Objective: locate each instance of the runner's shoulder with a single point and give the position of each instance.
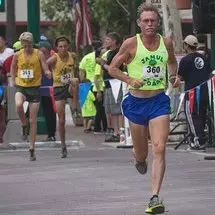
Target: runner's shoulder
(130, 42)
(17, 54)
(52, 60)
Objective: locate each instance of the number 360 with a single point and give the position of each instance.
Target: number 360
(153, 69)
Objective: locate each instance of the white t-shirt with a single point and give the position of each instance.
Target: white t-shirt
(5, 54)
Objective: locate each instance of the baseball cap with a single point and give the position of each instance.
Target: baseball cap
(17, 46)
(191, 40)
(26, 36)
(44, 44)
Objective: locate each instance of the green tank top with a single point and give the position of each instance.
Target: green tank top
(149, 66)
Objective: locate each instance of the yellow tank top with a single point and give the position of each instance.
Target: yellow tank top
(29, 69)
(63, 72)
(149, 66)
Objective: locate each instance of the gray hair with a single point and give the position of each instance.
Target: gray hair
(147, 7)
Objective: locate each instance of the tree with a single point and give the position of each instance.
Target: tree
(111, 15)
(106, 15)
(62, 13)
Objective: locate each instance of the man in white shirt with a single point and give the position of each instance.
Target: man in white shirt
(4, 51)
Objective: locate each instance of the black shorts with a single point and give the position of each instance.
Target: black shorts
(61, 93)
(32, 94)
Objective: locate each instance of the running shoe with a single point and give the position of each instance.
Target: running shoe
(141, 167)
(64, 152)
(155, 206)
(32, 155)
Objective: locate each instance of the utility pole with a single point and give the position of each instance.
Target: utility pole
(34, 19)
(11, 22)
(34, 28)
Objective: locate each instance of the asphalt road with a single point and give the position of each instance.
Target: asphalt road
(101, 180)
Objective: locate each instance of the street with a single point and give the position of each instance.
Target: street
(100, 180)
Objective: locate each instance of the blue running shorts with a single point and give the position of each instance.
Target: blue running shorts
(141, 110)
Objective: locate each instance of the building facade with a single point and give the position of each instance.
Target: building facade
(21, 18)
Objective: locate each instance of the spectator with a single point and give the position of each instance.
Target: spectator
(2, 109)
(4, 51)
(112, 42)
(7, 62)
(88, 66)
(46, 99)
(194, 69)
(5, 73)
(88, 110)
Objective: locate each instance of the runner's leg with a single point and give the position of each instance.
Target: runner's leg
(60, 106)
(19, 100)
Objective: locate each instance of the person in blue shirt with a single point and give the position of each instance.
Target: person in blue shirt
(46, 99)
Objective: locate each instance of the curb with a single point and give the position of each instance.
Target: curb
(51, 144)
(4, 146)
(123, 146)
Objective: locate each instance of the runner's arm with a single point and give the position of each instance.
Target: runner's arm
(44, 65)
(13, 69)
(120, 58)
(172, 62)
(174, 79)
(51, 62)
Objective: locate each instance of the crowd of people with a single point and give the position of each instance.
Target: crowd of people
(41, 70)
(46, 73)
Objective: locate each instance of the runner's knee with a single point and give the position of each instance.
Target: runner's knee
(32, 119)
(158, 148)
(61, 121)
(19, 106)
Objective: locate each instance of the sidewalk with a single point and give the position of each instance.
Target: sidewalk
(77, 139)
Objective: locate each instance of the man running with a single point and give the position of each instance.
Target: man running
(26, 71)
(65, 85)
(146, 106)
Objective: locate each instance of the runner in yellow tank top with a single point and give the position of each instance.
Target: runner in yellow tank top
(65, 84)
(146, 106)
(26, 72)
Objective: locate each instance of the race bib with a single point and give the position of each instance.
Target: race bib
(66, 78)
(153, 75)
(27, 74)
(153, 72)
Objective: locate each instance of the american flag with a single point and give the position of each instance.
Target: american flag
(82, 21)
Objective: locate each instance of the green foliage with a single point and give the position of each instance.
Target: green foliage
(107, 14)
(57, 10)
(61, 13)
(110, 15)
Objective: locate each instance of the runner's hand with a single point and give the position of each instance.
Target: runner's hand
(48, 74)
(135, 83)
(175, 81)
